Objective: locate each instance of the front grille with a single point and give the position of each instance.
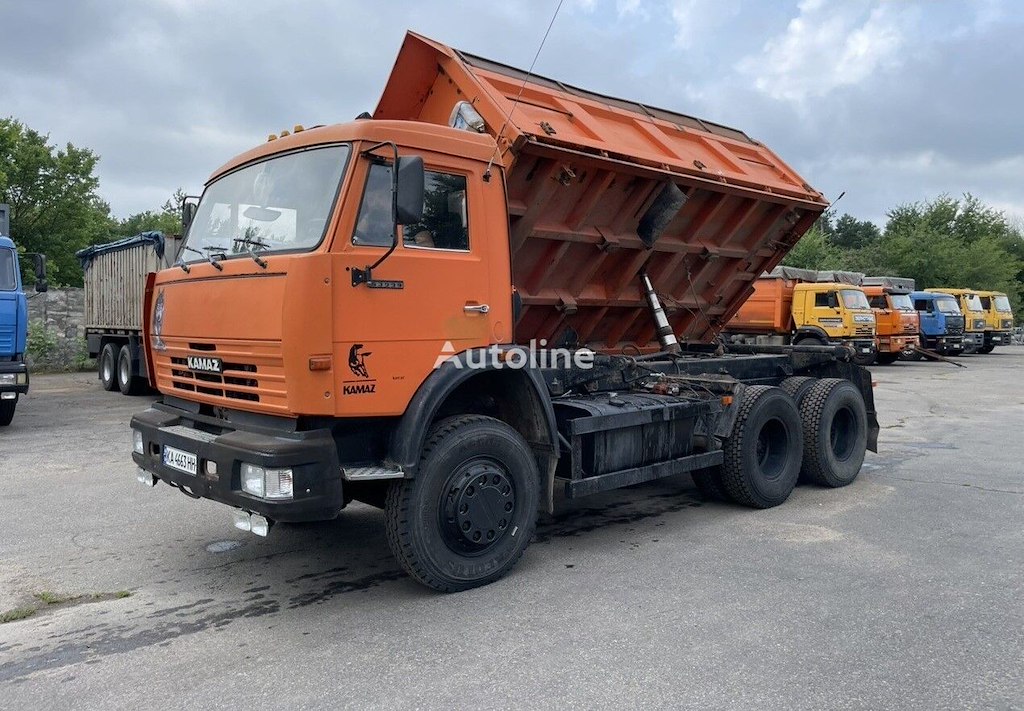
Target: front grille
(253, 373)
(6, 340)
(864, 331)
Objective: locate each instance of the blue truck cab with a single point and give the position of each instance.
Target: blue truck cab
(13, 322)
(942, 322)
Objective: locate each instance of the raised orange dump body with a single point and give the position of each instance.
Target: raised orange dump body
(583, 170)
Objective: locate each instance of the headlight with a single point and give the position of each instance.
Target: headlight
(863, 318)
(979, 324)
(266, 483)
(8, 379)
(137, 444)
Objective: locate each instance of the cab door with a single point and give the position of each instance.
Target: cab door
(827, 313)
(433, 297)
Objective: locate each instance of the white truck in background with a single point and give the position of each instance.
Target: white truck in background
(115, 281)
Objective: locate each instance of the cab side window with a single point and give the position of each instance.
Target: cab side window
(374, 225)
(826, 299)
(878, 302)
(445, 214)
(920, 304)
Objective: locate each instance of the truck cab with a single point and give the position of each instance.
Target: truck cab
(896, 321)
(998, 319)
(13, 321)
(840, 311)
(974, 316)
(942, 322)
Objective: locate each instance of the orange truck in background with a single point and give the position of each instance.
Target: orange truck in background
(804, 306)
(896, 321)
(495, 289)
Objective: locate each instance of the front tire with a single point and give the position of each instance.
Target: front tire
(7, 408)
(108, 367)
(886, 358)
(835, 428)
(986, 349)
(471, 510)
(762, 455)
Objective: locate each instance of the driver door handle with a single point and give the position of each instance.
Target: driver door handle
(476, 308)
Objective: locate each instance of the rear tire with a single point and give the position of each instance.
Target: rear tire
(107, 367)
(835, 428)
(709, 484)
(7, 408)
(128, 384)
(886, 358)
(762, 456)
(471, 510)
(797, 386)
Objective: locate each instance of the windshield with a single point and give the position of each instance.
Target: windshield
(854, 299)
(8, 278)
(947, 306)
(279, 204)
(973, 302)
(903, 302)
(1002, 303)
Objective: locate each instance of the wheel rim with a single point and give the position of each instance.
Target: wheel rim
(124, 370)
(843, 433)
(477, 506)
(108, 369)
(772, 449)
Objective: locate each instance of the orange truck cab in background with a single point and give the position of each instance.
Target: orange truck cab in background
(367, 311)
(896, 321)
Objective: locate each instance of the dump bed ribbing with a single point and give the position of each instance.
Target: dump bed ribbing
(584, 170)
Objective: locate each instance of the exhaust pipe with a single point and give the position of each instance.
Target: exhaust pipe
(667, 339)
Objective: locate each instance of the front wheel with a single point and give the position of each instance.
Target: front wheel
(762, 455)
(7, 411)
(886, 358)
(865, 358)
(987, 348)
(471, 510)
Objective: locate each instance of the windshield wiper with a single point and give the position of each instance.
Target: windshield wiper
(214, 251)
(253, 242)
(181, 260)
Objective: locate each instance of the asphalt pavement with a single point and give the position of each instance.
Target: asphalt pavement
(903, 590)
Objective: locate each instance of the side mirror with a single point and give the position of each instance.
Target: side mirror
(188, 213)
(40, 265)
(409, 190)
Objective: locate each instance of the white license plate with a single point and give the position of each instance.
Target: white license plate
(865, 350)
(180, 460)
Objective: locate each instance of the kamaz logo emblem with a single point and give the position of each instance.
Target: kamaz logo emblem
(359, 389)
(205, 365)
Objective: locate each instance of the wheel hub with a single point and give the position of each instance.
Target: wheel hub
(478, 506)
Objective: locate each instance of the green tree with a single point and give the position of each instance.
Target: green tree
(166, 220)
(850, 233)
(55, 208)
(815, 251)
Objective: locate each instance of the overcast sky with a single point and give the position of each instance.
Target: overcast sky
(890, 102)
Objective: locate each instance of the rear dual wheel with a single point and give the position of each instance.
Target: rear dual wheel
(127, 382)
(835, 432)
(108, 366)
(471, 510)
(762, 456)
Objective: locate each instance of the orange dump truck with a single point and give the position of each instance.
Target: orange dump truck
(896, 320)
(466, 302)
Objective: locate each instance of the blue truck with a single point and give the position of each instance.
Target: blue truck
(13, 321)
(942, 323)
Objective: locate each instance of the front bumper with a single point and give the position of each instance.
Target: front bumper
(998, 338)
(20, 381)
(974, 339)
(897, 344)
(312, 456)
